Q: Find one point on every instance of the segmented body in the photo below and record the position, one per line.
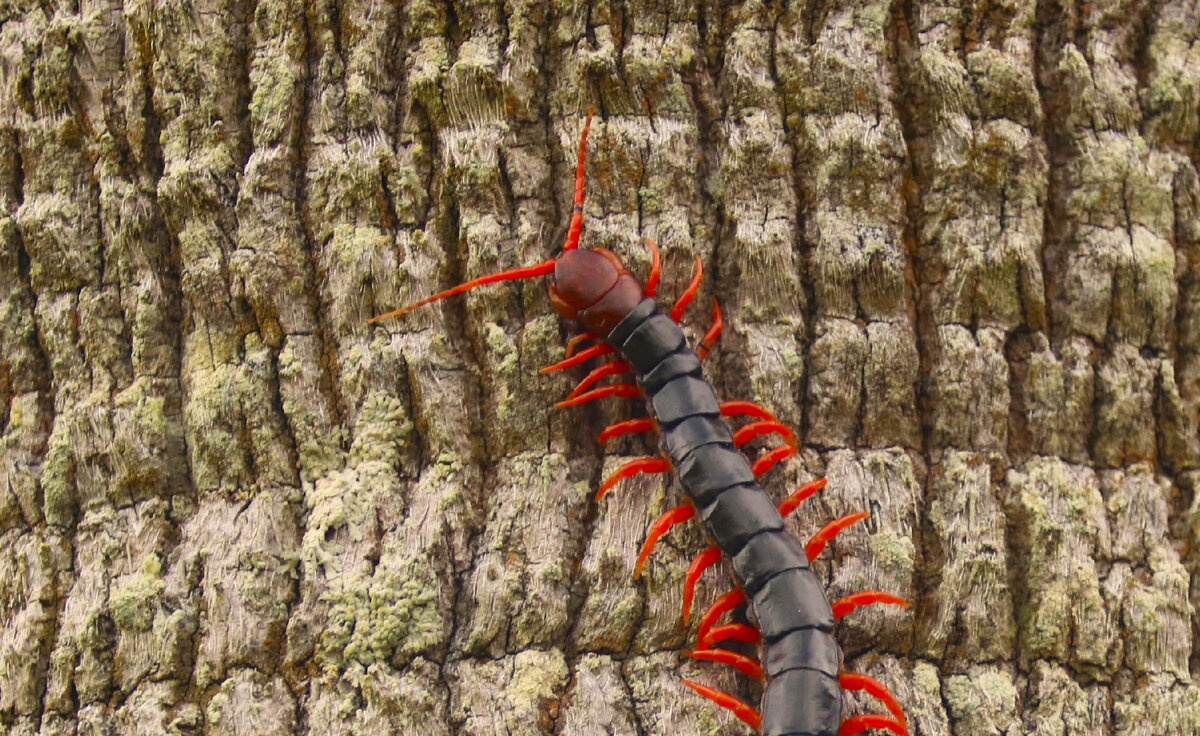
(801, 662)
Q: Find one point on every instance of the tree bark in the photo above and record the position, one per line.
(957, 245)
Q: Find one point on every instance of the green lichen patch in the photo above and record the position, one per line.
(392, 614)
(133, 599)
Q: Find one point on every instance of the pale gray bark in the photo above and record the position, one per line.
(957, 245)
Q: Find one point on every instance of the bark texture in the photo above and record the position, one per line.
(957, 244)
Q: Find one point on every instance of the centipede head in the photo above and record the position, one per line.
(588, 285)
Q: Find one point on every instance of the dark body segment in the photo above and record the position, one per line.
(767, 555)
(792, 600)
(693, 433)
(738, 514)
(802, 703)
(811, 649)
(710, 470)
(802, 659)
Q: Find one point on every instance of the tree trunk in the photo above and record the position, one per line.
(957, 246)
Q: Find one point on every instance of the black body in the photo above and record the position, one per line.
(802, 660)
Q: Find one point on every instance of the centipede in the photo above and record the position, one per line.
(789, 617)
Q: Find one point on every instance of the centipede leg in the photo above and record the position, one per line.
(655, 269)
(799, 495)
(613, 368)
(740, 662)
(700, 563)
(629, 426)
(748, 715)
(725, 632)
(632, 468)
(677, 515)
(620, 390)
(582, 356)
(772, 458)
(875, 688)
(574, 342)
(858, 724)
(690, 293)
(763, 427)
(746, 409)
(714, 331)
(829, 531)
(727, 602)
(845, 605)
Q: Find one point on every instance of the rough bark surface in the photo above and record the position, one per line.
(957, 244)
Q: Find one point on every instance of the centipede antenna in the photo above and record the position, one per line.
(700, 563)
(817, 544)
(524, 272)
(577, 211)
(858, 724)
(845, 605)
(677, 515)
(748, 715)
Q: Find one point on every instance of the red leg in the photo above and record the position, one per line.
(865, 598)
(746, 408)
(577, 211)
(622, 390)
(574, 342)
(608, 369)
(736, 632)
(632, 468)
(714, 331)
(677, 515)
(799, 495)
(858, 724)
(772, 458)
(655, 269)
(727, 602)
(829, 531)
(856, 681)
(700, 563)
(740, 662)
(629, 426)
(686, 297)
(748, 715)
(582, 356)
(763, 427)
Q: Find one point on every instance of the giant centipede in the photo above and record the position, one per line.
(801, 663)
